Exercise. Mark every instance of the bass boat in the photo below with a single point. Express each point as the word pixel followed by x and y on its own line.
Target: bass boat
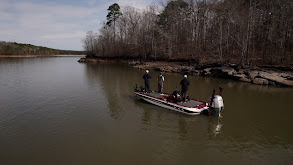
pixel 214 105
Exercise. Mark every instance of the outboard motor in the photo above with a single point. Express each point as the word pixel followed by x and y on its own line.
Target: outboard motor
pixel 216 103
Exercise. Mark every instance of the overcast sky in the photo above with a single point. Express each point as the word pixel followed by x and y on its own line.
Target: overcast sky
pixel 59 24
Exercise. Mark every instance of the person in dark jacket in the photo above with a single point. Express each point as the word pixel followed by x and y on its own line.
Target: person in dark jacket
pixel 184 83
pixel 160 83
pixel 147 78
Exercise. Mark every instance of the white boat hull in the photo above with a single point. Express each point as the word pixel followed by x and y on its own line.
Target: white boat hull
pixel 190 110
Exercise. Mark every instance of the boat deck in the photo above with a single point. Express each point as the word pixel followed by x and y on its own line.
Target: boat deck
pixel 188 103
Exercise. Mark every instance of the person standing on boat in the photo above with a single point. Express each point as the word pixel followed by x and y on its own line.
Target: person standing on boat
pixel 147 78
pixel 160 83
pixel 184 83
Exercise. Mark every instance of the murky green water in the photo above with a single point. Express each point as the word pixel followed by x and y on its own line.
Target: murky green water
pixel 54 110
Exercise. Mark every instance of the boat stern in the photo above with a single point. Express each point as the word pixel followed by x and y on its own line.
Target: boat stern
pixel 217 105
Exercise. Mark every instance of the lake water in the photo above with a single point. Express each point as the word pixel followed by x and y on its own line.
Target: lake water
pixel 54 110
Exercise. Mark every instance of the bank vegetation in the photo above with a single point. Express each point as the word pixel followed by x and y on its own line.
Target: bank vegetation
pixel 245 32
pixel 13 48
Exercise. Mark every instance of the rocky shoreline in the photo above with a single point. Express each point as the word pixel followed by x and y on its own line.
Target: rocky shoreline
pixel 275 76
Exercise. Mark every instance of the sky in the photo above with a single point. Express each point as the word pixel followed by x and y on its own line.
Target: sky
pixel 58 24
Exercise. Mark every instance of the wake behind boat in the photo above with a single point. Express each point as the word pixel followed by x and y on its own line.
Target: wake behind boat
pixel 190 106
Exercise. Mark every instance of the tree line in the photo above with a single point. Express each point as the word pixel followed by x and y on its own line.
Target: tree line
pixel 246 32
pixel 13 48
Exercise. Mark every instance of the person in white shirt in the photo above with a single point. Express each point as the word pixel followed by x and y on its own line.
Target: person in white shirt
pixel 160 83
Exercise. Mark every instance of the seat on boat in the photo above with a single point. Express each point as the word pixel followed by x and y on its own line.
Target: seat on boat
pixel 175 97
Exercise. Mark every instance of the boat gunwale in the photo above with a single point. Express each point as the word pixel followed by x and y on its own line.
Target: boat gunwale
pixel 196 107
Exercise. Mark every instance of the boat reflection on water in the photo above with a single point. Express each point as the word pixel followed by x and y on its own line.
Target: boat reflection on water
pixel 218 127
pixel 171 124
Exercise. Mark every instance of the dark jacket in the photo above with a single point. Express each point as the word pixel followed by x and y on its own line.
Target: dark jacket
pixel 184 82
pixel 146 77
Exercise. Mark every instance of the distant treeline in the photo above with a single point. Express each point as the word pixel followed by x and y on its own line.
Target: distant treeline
pixel 247 32
pixel 13 48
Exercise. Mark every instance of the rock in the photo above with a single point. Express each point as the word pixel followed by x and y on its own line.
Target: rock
pixel 141 66
pixel 176 69
pixel 288 76
pixel 241 71
pixel 252 74
pixel 89 60
pixel 262 74
pixel 186 68
pixel 276 77
pixel 239 75
pixel 133 62
pixel 224 71
pixel 229 71
pixel 82 60
pixel 196 72
pixel 260 81
pixel 207 70
pixel 244 79
pixel 164 68
pixel 288 83
pixel 271 77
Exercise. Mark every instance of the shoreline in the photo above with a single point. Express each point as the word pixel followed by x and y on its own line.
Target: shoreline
pixel 263 75
pixel 24 56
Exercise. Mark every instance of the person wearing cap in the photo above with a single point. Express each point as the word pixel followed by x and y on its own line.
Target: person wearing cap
pixel 184 83
pixel 160 83
pixel 147 78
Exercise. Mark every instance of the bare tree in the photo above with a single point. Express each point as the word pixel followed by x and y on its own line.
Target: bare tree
pixel 89 43
pixel 241 31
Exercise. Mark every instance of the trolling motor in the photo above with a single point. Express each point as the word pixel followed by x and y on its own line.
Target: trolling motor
pixel 142 89
pixel 215 103
pixel 135 88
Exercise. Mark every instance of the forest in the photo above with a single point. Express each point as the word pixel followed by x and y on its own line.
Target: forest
pixel 13 48
pixel 244 32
